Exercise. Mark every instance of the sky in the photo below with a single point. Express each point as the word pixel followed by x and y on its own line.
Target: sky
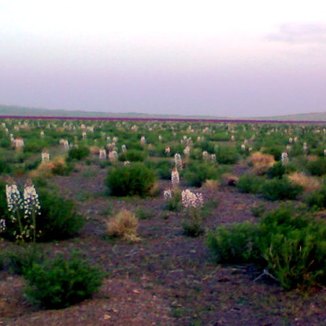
pixel 206 57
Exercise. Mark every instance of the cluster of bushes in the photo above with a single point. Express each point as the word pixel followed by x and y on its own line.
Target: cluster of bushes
pixel 53 283
pixel 197 173
pixel 58 218
pixel 291 245
pixel 129 180
pixel 78 153
pixel 273 189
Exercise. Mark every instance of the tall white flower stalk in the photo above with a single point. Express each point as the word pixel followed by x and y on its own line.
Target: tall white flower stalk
pixel 23 210
pixel 15 206
pixel 192 204
pixel 175 178
pixel 32 208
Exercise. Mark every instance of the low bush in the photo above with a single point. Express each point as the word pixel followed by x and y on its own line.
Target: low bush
pixel 226 155
pixel 261 162
pixel 308 183
pixel 133 179
pixel 59 282
pixel 317 167
pixel 317 199
pixel 249 183
pixel 193 228
pixel 196 174
pixel 280 189
pixel 4 167
pixel 132 156
pixel 20 259
pixel 58 218
pixel 78 153
pixel 276 171
pixel 289 243
pixel 234 244
pixel 124 225
pixel 174 202
pixel 293 246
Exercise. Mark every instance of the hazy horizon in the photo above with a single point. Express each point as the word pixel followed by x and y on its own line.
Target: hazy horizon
pixel 163 57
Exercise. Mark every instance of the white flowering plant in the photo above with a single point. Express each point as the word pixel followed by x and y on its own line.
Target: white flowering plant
pixel 23 209
pixel 192 204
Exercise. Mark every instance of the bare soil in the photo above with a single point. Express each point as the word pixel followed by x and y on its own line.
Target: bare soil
pixel 166 278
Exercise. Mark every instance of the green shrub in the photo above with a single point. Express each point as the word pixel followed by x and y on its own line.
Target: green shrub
pixel 78 153
pixel 280 189
pixel 162 168
pixel 174 203
pixel 20 259
pixel 317 167
pixel 58 219
pixel 249 183
pixel 132 156
pixel 294 248
pixel 234 244
pixel 276 171
pixel 197 173
pixel 133 179
pixel 60 282
pixel 4 167
pixel 276 151
pixel 317 199
pixel 226 155
pixel 193 226
pixel 258 210
pixel 289 243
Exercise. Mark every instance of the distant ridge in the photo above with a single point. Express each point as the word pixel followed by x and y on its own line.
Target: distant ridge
pixel 7 110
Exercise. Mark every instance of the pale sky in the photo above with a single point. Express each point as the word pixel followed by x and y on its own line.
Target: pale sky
pixel 219 57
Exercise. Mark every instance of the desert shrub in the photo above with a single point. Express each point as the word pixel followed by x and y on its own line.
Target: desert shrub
pixel 3 201
pixel 308 183
pixel 275 151
pixel 197 173
pixel 234 244
pixel 249 183
pixel 124 225
pixel 163 169
pixel 59 282
pixel 59 218
pixel 193 222
pixel 78 153
pixel 144 213
pixel 133 179
pixel 289 243
pixel 280 189
pixel 258 210
pixel 193 228
pixel 211 185
pixel 317 199
pixel 132 156
pixel 60 166
pixel 261 162
pixel 226 155
pixel 293 246
pixel 4 167
pixel 174 203
pixel 20 259
pixel 276 171
pixel 317 167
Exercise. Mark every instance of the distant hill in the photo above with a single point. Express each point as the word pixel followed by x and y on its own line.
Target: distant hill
pixel 6 110
pixel 314 116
